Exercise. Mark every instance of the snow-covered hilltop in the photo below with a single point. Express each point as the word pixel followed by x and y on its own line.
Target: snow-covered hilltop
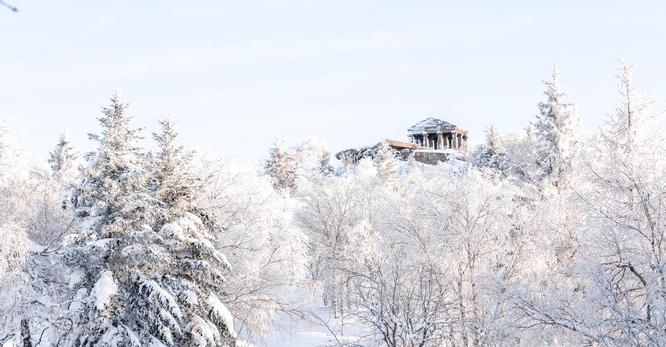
pixel 431 141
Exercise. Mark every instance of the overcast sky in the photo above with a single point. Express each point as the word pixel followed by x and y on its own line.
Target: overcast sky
pixel 239 74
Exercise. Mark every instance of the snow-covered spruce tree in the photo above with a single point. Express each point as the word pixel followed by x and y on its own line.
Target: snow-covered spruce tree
pixel 191 286
pixel 62 159
pixel 556 130
pixel 281 166
pixel 116 210
pixel 174 183
pixel 140 287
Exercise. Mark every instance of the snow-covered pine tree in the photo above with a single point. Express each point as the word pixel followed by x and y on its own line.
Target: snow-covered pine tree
pixel 281 166
pixel 556 130
pixel 62 159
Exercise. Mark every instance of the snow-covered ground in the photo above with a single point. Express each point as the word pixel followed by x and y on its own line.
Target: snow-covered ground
pixel 318 327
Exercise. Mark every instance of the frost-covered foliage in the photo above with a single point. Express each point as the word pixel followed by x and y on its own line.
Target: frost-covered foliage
pixel 627 126
pixel 387 163
pixel 602 284
pixel 550 238
pixel 523 159
pixel 62 160
pixel 491 155
pixel 333 211
pixel 562 248
pixel 13 240
pixel 422 262
pixel 260 241
pixel 30 222
pixel 175 185
pixel 281 166
pixel 556 132
pixel 313 158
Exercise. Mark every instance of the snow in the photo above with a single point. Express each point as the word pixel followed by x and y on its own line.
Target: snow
pixel 430 124
pixel 74 278
pixel 172 231
pixel 104 289
pixel 190 297
pixel 156 292
pixel 313 330
pixel 220 311
pixel 202 331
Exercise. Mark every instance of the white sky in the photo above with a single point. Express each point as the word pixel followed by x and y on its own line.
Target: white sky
pixel 239 74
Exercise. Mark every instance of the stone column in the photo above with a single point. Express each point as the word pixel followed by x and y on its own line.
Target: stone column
pixel 455 141
pixel 425 140
pixel 440 141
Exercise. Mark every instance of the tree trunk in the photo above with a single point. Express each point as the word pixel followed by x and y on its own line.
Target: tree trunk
pixel 25 333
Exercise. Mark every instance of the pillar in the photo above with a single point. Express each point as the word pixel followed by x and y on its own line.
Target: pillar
pixel 425 140
pixel 455 141
pixel 440 141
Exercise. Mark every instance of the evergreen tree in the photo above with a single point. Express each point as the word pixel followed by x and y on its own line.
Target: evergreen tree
pixel 556 133
pixel 143 287
pixel 631 113
pixel 114 203
pixel 281 166
pixel 190 282
pixel 62 159
pixel 175 186
pixel 325 167
pixel 114 185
